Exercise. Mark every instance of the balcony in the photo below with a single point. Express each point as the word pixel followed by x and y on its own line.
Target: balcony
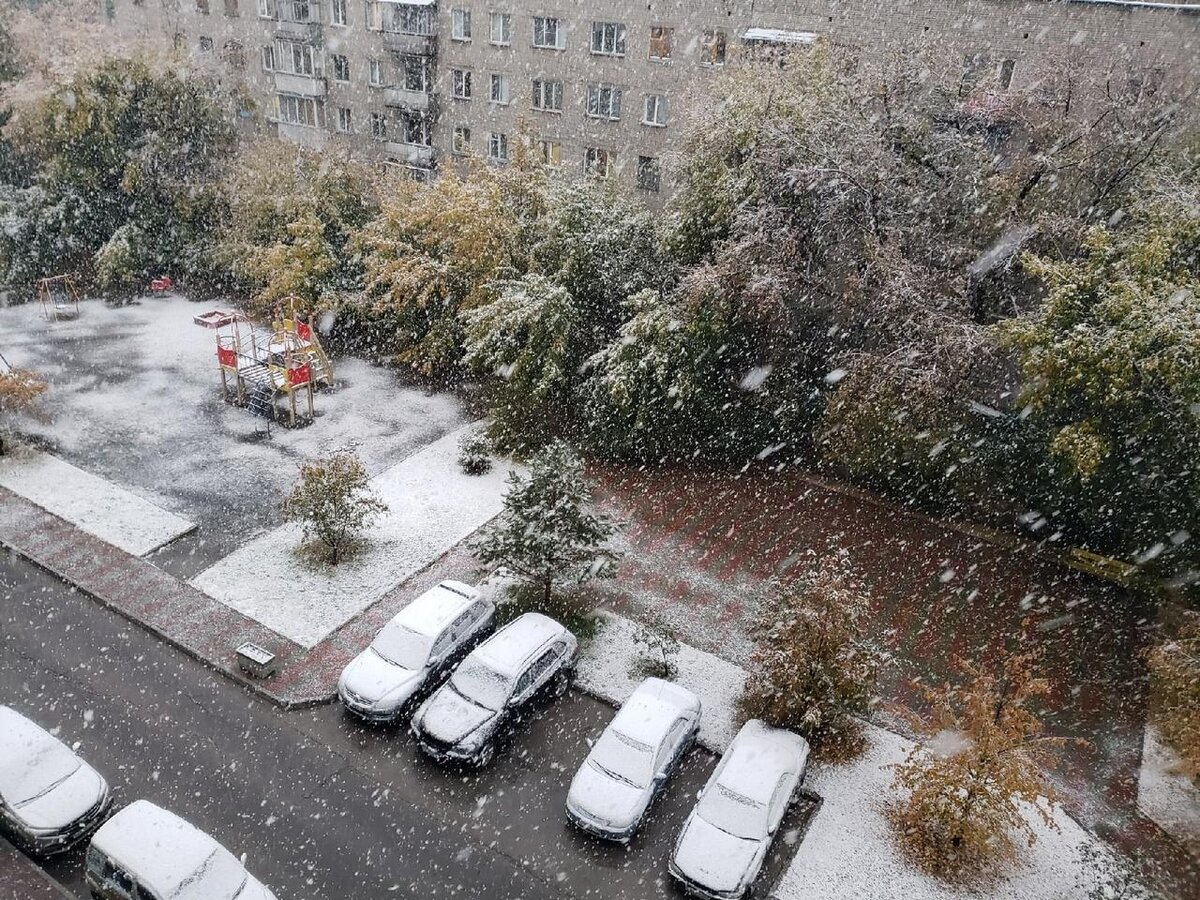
pixel 298 19
pixel 405 99
pixel 304 135
pixel 303 85
pixel 410 44
pixel 410 154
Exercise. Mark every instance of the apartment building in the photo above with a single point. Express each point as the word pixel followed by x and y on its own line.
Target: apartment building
pixel 604 87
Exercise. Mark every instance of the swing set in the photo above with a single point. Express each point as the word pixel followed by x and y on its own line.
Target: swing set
pixel 59 295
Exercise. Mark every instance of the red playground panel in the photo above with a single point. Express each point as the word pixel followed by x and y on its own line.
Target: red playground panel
pixel 161 284
pixel 298 375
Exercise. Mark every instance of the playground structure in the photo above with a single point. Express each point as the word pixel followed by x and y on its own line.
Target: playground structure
pixel 265 366
pixel 59 296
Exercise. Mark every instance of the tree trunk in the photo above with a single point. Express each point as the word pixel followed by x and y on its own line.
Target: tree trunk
pixel 547 587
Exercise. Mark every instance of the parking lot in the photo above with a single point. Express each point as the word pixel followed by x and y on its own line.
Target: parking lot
pixel 320 805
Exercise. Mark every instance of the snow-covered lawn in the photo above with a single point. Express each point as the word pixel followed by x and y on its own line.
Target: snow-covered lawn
pixel 1170 799
pixel 848 853
pixel 97 506
pixel 432 507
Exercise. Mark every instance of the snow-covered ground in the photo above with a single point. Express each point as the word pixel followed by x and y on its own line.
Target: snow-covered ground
pixel 1170 799
pixel 847 852
pixel 432 506
pixel 97 506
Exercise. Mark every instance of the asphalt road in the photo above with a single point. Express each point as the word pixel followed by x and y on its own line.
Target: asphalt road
pixel 321 806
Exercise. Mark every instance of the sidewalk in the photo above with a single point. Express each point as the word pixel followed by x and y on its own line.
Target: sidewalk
pixel 21 879
pixel 183 616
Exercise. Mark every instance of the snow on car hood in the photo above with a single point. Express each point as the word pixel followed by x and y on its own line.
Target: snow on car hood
pixel 713 858
pixel 605 799
pixel 254 890
pixel 64 803
pixel 450 717
pixel 372 677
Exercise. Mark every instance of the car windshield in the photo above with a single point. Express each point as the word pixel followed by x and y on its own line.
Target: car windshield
pixel 402 646
pixel 734 813
pixel 478 683
pixel 624 758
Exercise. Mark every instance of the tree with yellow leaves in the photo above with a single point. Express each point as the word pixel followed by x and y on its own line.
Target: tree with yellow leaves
pixel 19 393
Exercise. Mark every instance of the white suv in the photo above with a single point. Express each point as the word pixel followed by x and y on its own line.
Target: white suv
pixel 485 696
pixel 414 650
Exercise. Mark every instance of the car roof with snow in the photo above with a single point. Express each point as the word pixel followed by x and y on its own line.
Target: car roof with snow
pixel 508 649
pixel 754 761
pixel 172 857
pixel 433 610
pixel 30 757
pixel 651 710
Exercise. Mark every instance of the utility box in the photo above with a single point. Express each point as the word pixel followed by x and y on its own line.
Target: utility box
pixel 256 661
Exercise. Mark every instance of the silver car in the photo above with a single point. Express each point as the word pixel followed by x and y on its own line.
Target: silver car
pixel 49 797
pixel 414 650
pixel 631 762
pixel 725 839
pixel 493 687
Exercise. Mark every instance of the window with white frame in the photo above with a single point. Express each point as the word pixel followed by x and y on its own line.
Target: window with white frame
pixel 662 42
pixel 656 110
pixel 499 92
pixel 375 73
pixel 460 84
pixel 604 101
pixel 341 68
pixel 501 27
pixel 460 24
pixel 649 174
pixel 266 9
pixel 547 95
pixel 268 58
pixel 712 47
pixel 379 127
pixel 417 73
pixel 549 152
pixel 302 11
pixel 608 38
pixel 598 162
pixel 339 13
pixel 300 111
pixel 345 121
pixel 414 127
pixel 295 58
pixel 548 33
pixel 461 142
pixel 498 147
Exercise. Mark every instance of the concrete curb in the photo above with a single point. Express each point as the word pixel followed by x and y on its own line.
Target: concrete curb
pixel 19 874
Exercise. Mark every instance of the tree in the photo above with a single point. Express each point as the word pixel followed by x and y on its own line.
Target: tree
pixel 964 791
pixel 475 452
pixel 654 634
pixel 19 393
pixel 333 502
pixel 546 534
pixel 813 669
pixel 1175 691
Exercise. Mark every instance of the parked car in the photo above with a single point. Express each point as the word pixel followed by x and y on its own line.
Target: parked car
pixel 633 759
pixel 415 650
pixel 49 797
pixel 145 852
pixel 726 837
pixel 486 696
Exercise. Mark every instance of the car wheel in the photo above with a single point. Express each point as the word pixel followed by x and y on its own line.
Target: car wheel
pixel 564 681
pixel 487 754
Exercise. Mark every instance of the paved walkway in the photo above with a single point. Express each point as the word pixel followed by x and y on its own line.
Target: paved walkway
pixel 21 879
pixel 191 620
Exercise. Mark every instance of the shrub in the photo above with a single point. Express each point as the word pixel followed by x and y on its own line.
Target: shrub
pixel 475 453
pixel 333 502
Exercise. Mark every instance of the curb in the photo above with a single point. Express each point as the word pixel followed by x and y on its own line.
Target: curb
pixel 19 861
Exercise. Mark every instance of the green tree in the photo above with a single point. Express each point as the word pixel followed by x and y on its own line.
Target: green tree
pixel 333 502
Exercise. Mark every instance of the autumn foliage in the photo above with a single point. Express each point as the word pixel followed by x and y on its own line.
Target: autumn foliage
pixel 1175 691
pixel 19 393
pixel 333 502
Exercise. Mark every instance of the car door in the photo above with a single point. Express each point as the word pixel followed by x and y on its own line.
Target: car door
pixel 441 651
pixel 675 744
pixel 779 802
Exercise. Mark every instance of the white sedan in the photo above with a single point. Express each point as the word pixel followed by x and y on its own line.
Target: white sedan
pixel 49 797
pixel 633 759
pixel 725 839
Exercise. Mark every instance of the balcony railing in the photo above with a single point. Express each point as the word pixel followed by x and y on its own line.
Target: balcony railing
pixel 401 97
pixel 304 85
pixel 410 44
pixel 412 154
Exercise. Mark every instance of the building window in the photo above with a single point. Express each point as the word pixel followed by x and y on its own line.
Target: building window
pixel 417 76
pixel 498 147
pixel 661 41
pixel 375 73
pixel 202 7
pixel 649 174
pixel 294 58
pixel 501 29
pixel 1006 73
pixel 604 101
pixel 268 58
pixel 461 142
pixel 547 95
pixel 597 162
pixel 656 110
pixel 548 33
pixel 341 68
pixel 460 84
pixel 234 55
pixel 499 92
pixel 608 38
pixel 302 11
pixel 549 152
pixel 206 45
pixel 231 8
pixel 299 111
pixel 339 12
pixel 400 18
pixel 345 124
pixel 712 47
pixel 460 24
pixel 266 9
pixel 378 126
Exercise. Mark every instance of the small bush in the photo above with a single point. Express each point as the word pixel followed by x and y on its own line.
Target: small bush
pixel 333 502
pixel 660 646
pixel 475 453
pixel 1175 693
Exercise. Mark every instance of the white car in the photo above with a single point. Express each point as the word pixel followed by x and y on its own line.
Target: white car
pixel 633 759
pixel 725 839
pixel 145 852
pixel 414 650
pixel 490 690
pixel 49 797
